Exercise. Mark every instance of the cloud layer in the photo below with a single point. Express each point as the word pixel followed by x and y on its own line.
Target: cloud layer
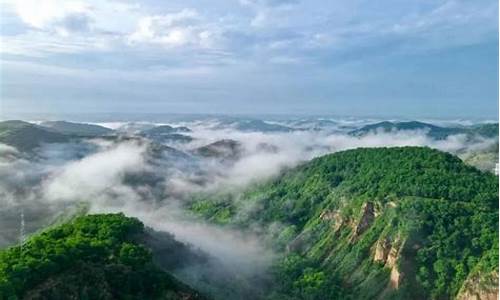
pixel 155 183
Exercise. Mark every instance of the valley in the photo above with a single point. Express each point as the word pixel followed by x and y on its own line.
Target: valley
pixel 220 208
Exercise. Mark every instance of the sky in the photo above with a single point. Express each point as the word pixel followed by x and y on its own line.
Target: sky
pixel 414 58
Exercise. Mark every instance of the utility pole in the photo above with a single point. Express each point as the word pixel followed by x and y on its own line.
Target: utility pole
pixel 22 231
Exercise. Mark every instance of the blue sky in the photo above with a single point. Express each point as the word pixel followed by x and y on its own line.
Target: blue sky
pixel 414 58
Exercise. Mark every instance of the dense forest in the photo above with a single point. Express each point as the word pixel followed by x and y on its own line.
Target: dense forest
pixel 396 223
pixel 372 223
pixel 91 257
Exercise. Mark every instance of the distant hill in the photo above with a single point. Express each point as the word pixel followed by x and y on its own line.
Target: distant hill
pixel 26 136
pixel 134 127
pixel 224 149
pixel 437 132
pixel 487 130
pixel 252 125
pixel 386 126
pixel 313 124
pixel 258 125
pixel 167 134
pixel 76 129
pixel 91 257
pixel 164 129
pixel 380 223
pixel 174 138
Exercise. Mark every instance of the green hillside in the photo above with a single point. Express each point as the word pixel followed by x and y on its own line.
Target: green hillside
pixel 386 223
pixel 92 257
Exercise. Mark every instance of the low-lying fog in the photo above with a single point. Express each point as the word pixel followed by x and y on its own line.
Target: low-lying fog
pixel 153 183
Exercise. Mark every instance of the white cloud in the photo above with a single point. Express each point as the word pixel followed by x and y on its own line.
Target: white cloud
pixel 60 26
pixel 93 175
pixel 174 30
pixel 6 149
pixel 98 178
pixel 40 44
pixel 308 26
pixel 42 14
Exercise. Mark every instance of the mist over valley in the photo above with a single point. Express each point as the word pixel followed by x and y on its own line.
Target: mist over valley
pixel 191 182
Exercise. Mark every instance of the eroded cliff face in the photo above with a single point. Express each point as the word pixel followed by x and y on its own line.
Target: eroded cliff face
pixel 367 217
pixel 369 211
pixel 480 287
pixel 335 218
pixel 380 235
pixel 387 252
pixel 382 249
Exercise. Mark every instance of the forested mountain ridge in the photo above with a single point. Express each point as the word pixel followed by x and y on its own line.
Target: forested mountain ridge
pixel 488 130
pixel 368 223
pixel 26 136
pixel 76 129
pixel 384 223
pixel 91 257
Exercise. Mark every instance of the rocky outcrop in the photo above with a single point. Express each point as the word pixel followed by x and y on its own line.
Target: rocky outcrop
pixel 392 262
pixel 395 279
pixel 366 219
pixel 327 215
pixel 387 252
pixel 382 249
pixel 480 287
pixel 334 217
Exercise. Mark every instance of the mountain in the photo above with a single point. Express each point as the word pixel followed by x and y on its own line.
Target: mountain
pixel 313 124
pixel 252 125
pixel 433 131
pixel 261 126
pixel 91 257
pixel 172 138
pixel 167 134
pixel 489 130
pixel 159 151
pixel 77 129
pixel 177 138
pixel 134 127
pixel 164 129
pixel 26 136
pixel 224 149
pixel 374 223
pixel 182 129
